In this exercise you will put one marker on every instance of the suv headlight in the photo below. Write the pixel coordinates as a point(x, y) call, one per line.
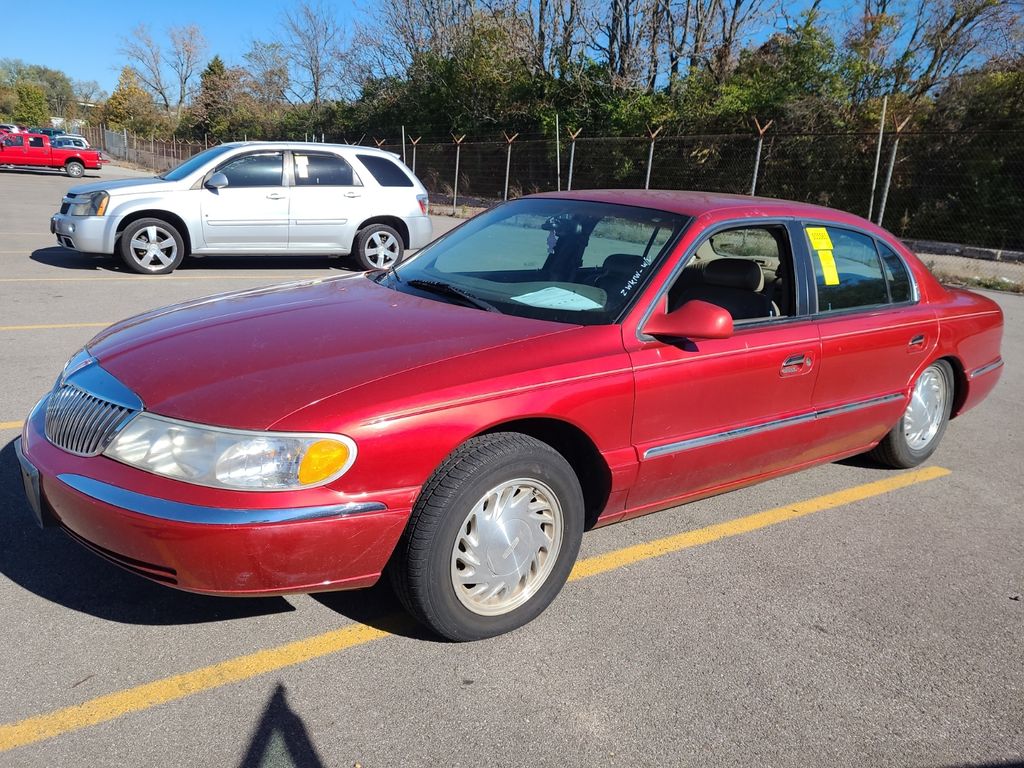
point(230, 458)
point(93, 204)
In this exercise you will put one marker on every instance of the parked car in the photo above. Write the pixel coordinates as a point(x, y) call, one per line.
point(559, 362)
point(51, 132)
point(243, 198)
point(33, 150)
point(69, 140)
point(8, 128)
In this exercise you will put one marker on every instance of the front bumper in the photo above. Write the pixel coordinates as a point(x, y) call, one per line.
point(240, 543)
point(89, 234)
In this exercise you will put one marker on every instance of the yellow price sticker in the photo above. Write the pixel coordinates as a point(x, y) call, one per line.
point(828, 267)
point(820, 241)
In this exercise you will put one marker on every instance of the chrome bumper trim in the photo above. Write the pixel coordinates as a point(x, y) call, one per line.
point(986, 369)
point(735, 434)
point(192, 513)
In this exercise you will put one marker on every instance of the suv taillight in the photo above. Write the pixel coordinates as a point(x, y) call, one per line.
point(424, 203)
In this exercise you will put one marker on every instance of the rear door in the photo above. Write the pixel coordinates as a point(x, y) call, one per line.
point(327, 203)
point(875, 334)
point(37, 151)
point(251, 212)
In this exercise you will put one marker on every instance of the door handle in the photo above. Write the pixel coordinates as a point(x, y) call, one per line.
point(917, 342)
point(794, 365)
point(352, 194)
point(275, 196)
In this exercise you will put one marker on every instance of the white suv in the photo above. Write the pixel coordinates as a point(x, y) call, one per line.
point(249, 197)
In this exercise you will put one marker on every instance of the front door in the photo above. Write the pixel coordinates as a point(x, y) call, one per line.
point(251, 212)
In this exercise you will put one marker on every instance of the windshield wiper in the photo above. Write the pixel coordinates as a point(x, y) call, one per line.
point(447, 289)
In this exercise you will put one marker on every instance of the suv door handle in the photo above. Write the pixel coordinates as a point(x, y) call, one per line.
point(275, 196)
point(352, 194)
point(794, 365)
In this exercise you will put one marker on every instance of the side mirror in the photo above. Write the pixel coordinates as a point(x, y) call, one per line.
point(694, 320)
point(217, 181)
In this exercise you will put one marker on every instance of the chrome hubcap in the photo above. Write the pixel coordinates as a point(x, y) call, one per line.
point(382, 250)
point(507, 546)
point(153, 248)
point(926, 409)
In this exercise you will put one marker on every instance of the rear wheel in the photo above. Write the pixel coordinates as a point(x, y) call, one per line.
point(491, 539)
point(378, 246)
point(74, 169)
point(918, 432)
point(152, 247)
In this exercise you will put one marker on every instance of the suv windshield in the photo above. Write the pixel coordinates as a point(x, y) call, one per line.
point(569, 261)
point(194, 163)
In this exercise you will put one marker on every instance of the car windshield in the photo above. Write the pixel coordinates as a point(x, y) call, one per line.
point(194, 163)
point(568, 261)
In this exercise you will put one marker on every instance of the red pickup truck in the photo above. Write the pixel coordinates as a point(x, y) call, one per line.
point(34, 150)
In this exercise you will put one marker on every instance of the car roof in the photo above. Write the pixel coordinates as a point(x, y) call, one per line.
point(721, 204)
point(309, 145)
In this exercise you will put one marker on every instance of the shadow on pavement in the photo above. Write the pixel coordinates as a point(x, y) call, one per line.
point(56, 256)
point(49, 564)
point(48, 172)
point(281, 739)
point(376, 607)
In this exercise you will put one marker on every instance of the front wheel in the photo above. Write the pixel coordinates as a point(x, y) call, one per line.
point(152, 247)
point(74, 169)
point(918, 432)
point(492, 538)
point(378, 246)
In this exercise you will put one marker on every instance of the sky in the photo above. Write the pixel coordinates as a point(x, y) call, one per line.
point(32, 32)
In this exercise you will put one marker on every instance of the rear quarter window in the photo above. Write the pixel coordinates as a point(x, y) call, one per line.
point(386, 172)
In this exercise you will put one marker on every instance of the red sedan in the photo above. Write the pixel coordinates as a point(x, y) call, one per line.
point(560, 362)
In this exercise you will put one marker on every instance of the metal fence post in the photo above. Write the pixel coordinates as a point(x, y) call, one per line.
point(414, 142)
point(403, 143)
point(650, 154)
point(508, 159)
point(379, 142)
point(572, 155)
point(558, 155)
point(757, 157)
point(455, 189)
point(892, 163)
point(878, 156)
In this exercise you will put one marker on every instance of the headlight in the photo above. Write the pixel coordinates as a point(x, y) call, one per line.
point(228, 458)
point(94, 204)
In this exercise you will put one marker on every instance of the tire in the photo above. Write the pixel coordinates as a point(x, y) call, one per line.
point(918, 432)
point(378, 246)
point(454, 568)
point(151, 247)
point(74, 169)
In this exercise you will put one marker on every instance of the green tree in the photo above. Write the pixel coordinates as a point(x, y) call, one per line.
point(129, 106)
point(31, 107)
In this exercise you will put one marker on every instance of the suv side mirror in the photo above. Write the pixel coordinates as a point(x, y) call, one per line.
point(694, 320)
point(217, 181)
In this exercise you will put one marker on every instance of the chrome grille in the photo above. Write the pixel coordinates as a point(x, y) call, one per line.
point(82, 423)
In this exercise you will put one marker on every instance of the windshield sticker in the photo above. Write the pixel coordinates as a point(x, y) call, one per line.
point(556, 298)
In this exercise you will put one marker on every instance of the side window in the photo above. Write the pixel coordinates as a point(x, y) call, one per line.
point(847, 269)
point(35, 141)
point(746, 270)
point(896, 274)
point(384, 171)
point(316, 170)
point(260, 170)
point(14, 141)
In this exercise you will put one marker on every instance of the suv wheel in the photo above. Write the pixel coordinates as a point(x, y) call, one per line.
point(152, 247)
point(378, 246)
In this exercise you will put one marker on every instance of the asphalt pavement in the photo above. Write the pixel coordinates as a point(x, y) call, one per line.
point(881, 626)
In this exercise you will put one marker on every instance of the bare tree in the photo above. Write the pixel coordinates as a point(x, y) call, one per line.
point(188, 46)
point(313, 46)
point(147, 60)
point(267, 72)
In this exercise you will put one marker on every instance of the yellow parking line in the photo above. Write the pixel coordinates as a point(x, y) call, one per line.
point(10, 424)
point(48, 326)
point(111, 706)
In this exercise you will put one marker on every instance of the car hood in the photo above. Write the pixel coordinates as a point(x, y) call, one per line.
point(248, 359)
point(124, 186)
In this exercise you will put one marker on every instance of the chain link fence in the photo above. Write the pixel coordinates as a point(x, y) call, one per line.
point(955, 198)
